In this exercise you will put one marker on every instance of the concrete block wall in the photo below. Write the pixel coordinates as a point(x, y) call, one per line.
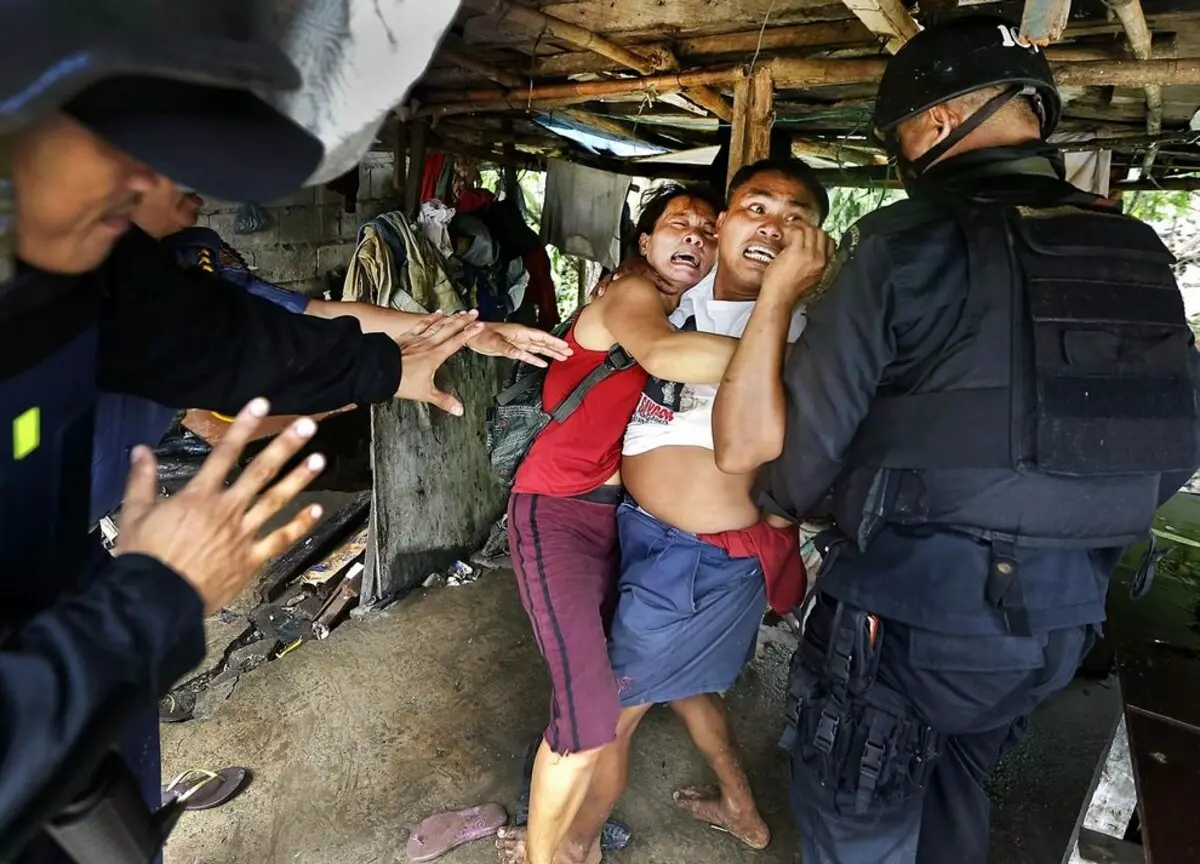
point(309, 234)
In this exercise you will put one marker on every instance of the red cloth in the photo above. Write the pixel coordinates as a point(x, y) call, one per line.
point(577, 456)
point(470, 200)
point(778, 553)
point(429, 179)
point(541, 287)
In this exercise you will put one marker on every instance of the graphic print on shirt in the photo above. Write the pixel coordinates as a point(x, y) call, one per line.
point(661, 400)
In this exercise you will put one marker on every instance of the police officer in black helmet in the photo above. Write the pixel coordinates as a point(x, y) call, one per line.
point(998, 388)
point(92, 92)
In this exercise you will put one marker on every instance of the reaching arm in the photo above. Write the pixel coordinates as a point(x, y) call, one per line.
point(190, 339)
point(82, 667)
point(631, 310)
point(749, 415)
point(830, 379)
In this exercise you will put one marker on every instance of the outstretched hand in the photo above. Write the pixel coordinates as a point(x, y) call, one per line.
point(799, 267)
point(210, 534)
point(426, 349)
point(519, 342)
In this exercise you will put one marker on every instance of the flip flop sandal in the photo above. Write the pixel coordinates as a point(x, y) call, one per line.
point(173, 709)
point(197, 789)
point(438, 834)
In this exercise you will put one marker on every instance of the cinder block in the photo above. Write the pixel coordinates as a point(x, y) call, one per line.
point(289, 263)
point(333, 255)
point(348, 224)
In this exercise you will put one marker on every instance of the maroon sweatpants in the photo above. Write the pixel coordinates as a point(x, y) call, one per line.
point(567, 562)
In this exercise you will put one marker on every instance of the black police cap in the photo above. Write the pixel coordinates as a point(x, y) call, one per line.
point(958, 57)
point(167, 81)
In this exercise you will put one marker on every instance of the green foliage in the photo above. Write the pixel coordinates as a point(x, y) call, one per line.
point(562, 266)
point(1159, 206)
point(847, 206)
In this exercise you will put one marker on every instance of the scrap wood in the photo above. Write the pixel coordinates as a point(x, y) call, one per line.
point(279, 573)
point(338, 561)
point(339, 603)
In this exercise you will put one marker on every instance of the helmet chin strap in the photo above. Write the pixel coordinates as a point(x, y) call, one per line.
point(910, 170)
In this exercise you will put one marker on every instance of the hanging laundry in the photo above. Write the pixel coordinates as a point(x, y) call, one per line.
point(582, 213)
point(470, 200)
point(434, 162)
point(1089, 170)
point(434, 220)
point(540, 291)
point(397, 266)
point(445, 181)
point(357, 61)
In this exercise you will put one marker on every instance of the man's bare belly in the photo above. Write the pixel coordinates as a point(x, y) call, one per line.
point(683, 487)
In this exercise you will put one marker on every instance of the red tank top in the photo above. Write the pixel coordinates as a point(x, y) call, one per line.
point(577, 456)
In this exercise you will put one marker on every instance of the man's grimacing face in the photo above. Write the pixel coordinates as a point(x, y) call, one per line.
point(750, 233)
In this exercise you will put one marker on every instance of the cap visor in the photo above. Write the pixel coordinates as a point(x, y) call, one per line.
point(224, 143)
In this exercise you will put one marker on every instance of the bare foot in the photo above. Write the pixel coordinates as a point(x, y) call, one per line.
point(510, 842)
point(706, 804)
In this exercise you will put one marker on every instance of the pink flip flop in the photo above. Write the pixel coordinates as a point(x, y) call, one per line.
point(438, 834)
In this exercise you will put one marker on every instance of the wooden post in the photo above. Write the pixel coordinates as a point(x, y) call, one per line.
point(743, 97)
point(581, 274)
point(512, 189)
point(753, 115)
point(418, 131)
point(762, 116)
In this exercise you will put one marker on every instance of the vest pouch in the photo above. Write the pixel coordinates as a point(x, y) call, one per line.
point(1104, 353)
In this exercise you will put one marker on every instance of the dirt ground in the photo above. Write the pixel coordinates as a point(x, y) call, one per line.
point(430, 707)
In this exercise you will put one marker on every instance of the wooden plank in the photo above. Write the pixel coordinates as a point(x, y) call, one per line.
point(485, 70)
point(638, 16)
point(743, 98)
point(490, 100)
point(549, 25)
point(1166, 756)
point(1097, 848)
point(887, 19)
point(1043, 21)
point(710, 99)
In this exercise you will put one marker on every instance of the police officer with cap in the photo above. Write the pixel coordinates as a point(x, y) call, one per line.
point(91, 93)
point(998, 387)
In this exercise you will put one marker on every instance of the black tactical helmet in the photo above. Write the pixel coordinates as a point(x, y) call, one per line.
point(959, 57)
point(167, 81)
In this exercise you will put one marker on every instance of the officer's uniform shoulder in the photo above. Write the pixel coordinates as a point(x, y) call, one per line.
point(899, 217)
point(195, 247)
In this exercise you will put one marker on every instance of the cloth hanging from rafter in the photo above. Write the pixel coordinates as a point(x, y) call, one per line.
point(582, 213)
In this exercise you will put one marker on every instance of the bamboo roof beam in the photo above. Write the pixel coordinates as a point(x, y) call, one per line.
point(1133, 19)
point(887, 19)
point(585, 39)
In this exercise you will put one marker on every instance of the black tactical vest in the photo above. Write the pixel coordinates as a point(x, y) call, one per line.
point(1063, 393)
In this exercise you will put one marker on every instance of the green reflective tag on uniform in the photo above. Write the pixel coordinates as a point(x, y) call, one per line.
point(27, 433)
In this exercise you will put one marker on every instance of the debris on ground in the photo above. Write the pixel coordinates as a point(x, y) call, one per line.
point(495, 554)
point(339, 602)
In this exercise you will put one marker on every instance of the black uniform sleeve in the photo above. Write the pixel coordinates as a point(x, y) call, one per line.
point(117, 647)
point(830, 378)
point(188, 339)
